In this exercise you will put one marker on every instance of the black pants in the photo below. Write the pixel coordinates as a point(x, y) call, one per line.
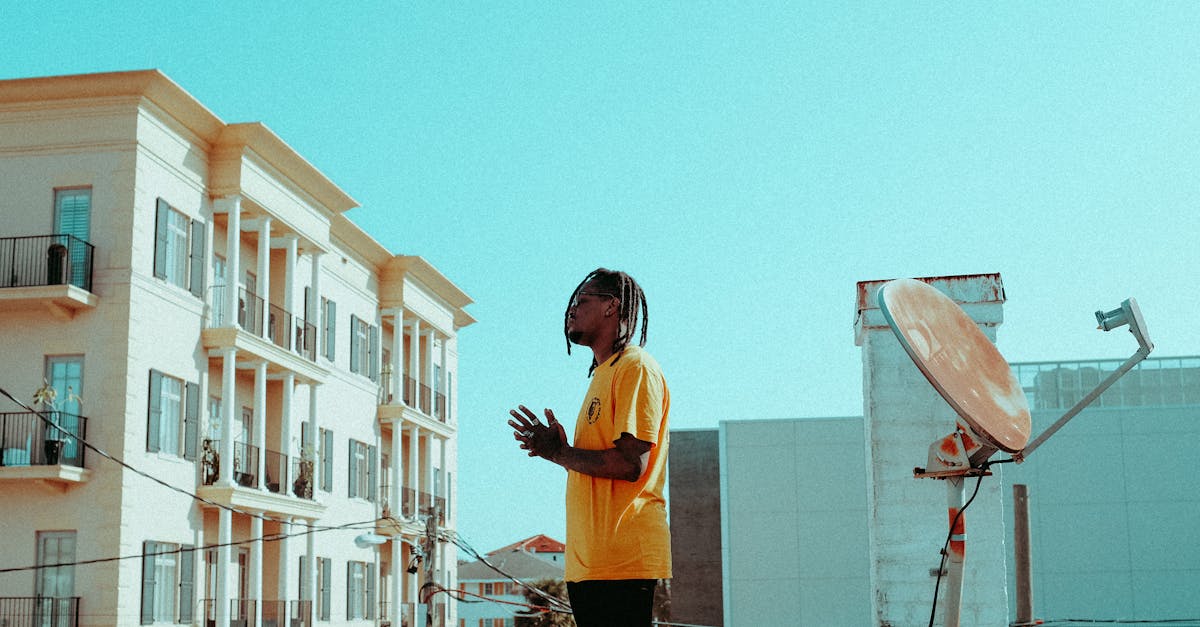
point(616, 603)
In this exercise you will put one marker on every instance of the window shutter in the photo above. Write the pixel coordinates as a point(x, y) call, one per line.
point(191, 420)
point(160, 239)
point(327, 461)
point(187, 585)
point(372, 479)
point(196, 284)
point(353, 474)
point(152, 423)
point(304, 578)
point(370, 581)
point(148, 550)
point(326, 592)
point(354, 347)
point(350, 591)
point(374, 353)
point(330, 329)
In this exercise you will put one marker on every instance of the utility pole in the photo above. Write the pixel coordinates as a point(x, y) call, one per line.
point(430, 563)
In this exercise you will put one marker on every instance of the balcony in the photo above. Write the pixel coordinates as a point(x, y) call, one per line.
point(274, 613)
point(420, 404)
point(48, 611)
point(263, 331)
point(52, 271)
point(32, 449)
point(270, 492)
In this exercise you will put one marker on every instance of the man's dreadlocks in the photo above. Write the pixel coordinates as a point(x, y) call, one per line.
point(633, 303)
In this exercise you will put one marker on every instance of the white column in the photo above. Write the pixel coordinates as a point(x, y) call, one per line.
point(429, 335)
point(228, 407)
point(224, 554)
point(444, 382)
point(255, 570)
point(314, 304)
point(414, 362)
point(444, 484)
point(310, 575)
point(397, 470)
point(399, 562)
point(283, 587)
point(398, 357)
point(414, 454)
point(233, 243)
point(264, 269)
point(285, 432)
point(430, 484)
point(210, 297)
point(314, 431)
point(259, 434)
point(289, 289)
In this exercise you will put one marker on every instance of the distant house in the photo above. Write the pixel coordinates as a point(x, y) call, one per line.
point(531, 559)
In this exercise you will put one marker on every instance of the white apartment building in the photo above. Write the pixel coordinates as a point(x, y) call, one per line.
point(207, 314)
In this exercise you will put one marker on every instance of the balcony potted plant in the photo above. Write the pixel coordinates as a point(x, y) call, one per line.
point(303, 485)
point(47, 397)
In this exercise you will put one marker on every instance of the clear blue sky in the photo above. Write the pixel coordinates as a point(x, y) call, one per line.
point(747, 164)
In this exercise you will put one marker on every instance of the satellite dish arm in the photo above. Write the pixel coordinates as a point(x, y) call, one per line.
point(1129, 314)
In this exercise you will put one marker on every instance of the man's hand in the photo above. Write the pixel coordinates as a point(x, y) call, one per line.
point(541, 440)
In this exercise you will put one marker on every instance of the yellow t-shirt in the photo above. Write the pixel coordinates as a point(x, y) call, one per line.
point(618, 529)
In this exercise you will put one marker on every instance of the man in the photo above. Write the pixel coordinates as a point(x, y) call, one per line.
point(618, 541)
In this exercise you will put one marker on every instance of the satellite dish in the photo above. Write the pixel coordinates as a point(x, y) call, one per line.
point(968, 371)
point(960, 361)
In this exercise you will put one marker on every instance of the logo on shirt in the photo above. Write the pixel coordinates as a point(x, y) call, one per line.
point(593, 413)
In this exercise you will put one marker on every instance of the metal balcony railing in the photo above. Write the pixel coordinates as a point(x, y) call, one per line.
point(284, 329)
point(36, 260)
point(275, 467)
point(241, 613)
point(245, 464)
point(39, 611)
point(439, 406)
point(27, 440)
point(303, 477)
point(300, 613)
point(250, 312)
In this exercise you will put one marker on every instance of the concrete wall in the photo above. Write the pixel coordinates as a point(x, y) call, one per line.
point(695, 502)
point(907, 519)
point(1114, 507)
point(793, 507)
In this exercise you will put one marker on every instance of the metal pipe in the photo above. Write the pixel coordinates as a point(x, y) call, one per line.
point(1083, 402)
point(1021, 546)
point(957, 551)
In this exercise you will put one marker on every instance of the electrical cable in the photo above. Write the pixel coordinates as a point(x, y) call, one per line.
point(556, 604)
point(274, 537)
point(130, 468)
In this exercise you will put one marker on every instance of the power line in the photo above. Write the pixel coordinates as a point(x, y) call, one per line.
point(130, 468)
point(274, 537)
point(556, 604)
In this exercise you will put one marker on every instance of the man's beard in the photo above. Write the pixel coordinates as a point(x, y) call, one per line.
point(575, 336)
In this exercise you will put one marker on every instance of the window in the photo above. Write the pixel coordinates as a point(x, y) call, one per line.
point(328, 327)
point(72, 217)
point(56, 547)
point(174, 416)
point(326, 454)
point(362, 470)
point(65, 375)
point(364, 347)
point(360, 590)
point(179, 249)
point(168, 580)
